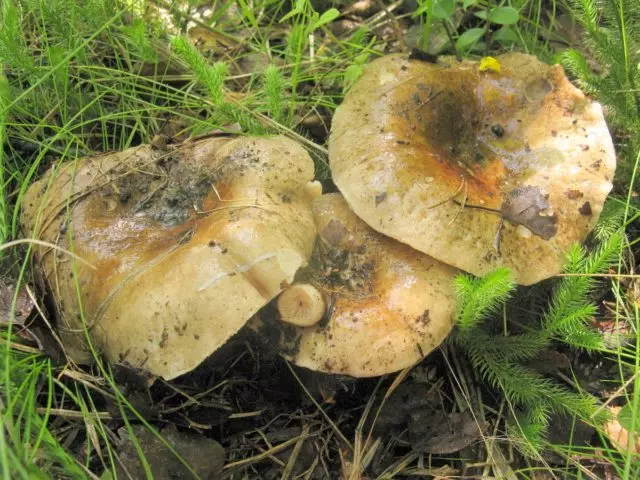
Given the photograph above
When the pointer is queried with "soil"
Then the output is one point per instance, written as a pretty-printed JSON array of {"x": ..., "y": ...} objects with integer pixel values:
[
  {"x": 345, "y": 269},
  {"x": 166, "y": 190}
]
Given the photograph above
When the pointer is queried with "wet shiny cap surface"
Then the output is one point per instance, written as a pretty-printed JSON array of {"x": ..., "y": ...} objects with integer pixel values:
[{"x": 476, "y": 167}]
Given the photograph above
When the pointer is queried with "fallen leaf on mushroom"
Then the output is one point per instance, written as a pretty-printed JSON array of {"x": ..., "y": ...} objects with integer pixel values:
[
  {"x": 180, "y": 246},
  {"x": 379, "y": 305},
  {"x": 478, "y": 167}
]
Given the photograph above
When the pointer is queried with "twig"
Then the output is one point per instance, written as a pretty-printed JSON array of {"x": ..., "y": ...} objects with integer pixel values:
[
  {"x": 42, "y": 243},
  {"x": 602, "y": 275},
  {"x": 396, "y": 25},
  {"x": 452, "y": 197},
  {"x": 453, "y": 43},
  {"x": 63, "y": 412},
  {"x": 261, "y": 456},
  {"x": 324, "y": 414},
  {"x": 615, "y": 395},
  {"x": 291, "y": 463}
]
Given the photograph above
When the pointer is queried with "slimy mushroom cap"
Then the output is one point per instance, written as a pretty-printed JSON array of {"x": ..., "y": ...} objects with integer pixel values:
[
  {"x": 389, "y": 305},
  {"x": 477, "y": 168},
  {"x": 187, "y": 244}
]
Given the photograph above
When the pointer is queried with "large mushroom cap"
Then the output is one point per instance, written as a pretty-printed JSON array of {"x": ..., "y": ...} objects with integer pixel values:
[
  {"x": 187, "y": 244},
  {"x": 476, "y": 167},
  {"x": 388, "y": 305}
]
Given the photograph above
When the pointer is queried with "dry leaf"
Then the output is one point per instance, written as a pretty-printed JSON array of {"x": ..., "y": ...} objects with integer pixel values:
[
  {"x": 209, "y": 41},
  {"x": 615, "y": 334},
  {"x": 526, "y": 206},
  {"x": 23, "y": 305},
  {"x": 204, "y": 455},
  {"x": 618, "y": 435},
  {"x": 451, "y": 434}
]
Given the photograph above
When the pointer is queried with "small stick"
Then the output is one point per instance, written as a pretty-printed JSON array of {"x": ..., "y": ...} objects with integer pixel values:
[
  {"x": 615, "y": 395},
  {"x": 452, "y": 197},
  {"x": 63, "y": 412}
]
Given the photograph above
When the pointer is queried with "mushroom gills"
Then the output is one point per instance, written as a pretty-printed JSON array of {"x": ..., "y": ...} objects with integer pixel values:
[{"x": 301, "y": 304}]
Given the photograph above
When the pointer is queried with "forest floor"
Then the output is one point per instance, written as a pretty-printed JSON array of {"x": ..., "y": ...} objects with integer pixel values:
[{"x": 84, "y": 79}]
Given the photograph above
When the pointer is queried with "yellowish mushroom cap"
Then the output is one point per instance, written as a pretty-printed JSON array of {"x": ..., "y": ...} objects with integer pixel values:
[
  {"x": 389, "y": 306},
  {"x": 478, "y": 167},
  {"x": 187, "y": 244}
]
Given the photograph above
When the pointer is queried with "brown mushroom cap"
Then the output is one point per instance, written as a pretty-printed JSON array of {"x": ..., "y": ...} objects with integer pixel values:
[
  {"x": 479, "y": 169},
  {"x": 172, "y": 284},
  {"x": 390, "y": 305}
]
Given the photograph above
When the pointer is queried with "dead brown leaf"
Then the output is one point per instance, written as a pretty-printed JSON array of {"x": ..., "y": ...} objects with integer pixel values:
[
  {"x": 23, "y": 305},
  {"x": 204, "y": 455},
  {"x": 209, "y": 41},
  {"x": 451, "y": 434},
  {"x": 619, "y": 436},
  {"x": 526, "y": 206}
]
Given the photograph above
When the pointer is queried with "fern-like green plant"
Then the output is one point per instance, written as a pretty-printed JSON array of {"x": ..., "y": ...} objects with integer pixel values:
[
  {"x": 213, "y": 77},
  {"x": 13, "y": 49},
  {"x": 613, "y": 215},
  {"x": 569, "y": 313},
  {"x": 274, "y": 91},
  {"x": 481, "y": 296},
  {"x": 497, "y": 358},
  {"x": 612, "y": 38}
]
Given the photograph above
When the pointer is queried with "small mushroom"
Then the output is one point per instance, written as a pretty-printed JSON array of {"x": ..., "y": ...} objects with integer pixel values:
[
  {"x": 185, "y": 243},
  {"x": 388, "y": 305},
  {"x": 479, "y": 168}
]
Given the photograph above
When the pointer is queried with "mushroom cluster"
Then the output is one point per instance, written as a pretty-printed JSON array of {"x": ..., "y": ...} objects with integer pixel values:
[
  {"x": 441, "y": 167},
  {"x": 475, "y": 168}
]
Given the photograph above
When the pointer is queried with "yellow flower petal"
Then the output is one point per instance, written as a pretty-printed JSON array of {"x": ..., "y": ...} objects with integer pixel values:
[{"x": 489, "y": 64}]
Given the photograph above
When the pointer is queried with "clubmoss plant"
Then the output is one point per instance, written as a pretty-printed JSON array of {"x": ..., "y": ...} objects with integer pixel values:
[
  {"x": 607, "y": 67},
  {"x": 499, "y": 357}
]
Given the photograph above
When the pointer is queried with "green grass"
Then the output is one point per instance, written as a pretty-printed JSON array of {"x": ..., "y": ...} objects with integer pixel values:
[
  {"x": 85, "y": 79},
  {"x": 78, "y": 78}
]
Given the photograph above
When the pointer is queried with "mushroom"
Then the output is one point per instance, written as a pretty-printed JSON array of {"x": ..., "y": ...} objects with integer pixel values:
[
  {"x": 301, "y": 304},
  {"x": 185, "y": 244},
  {"x": 388, "y": 305},
  {"x": 478, "y": 167}
]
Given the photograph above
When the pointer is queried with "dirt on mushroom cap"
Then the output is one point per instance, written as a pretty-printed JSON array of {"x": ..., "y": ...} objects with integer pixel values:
[
  {"x": 401, "y": 312},
  {"x": 186, "y": 243},
  {"x": 480, "y": 169}
]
